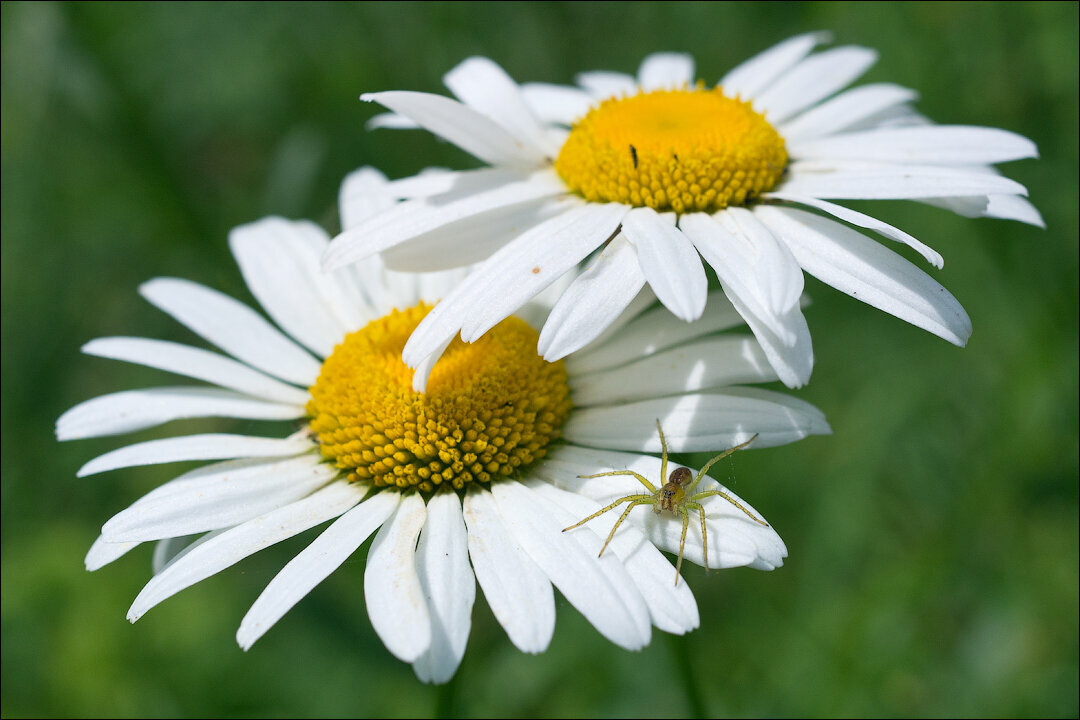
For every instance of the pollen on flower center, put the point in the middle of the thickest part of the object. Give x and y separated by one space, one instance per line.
683 150
491 406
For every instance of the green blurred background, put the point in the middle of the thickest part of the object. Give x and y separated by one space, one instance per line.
933 538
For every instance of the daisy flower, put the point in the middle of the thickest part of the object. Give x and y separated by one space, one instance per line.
662 172
472 481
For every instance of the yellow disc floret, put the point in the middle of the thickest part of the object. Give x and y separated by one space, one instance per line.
491 406
684 150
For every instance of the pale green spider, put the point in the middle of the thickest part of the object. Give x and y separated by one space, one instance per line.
673 496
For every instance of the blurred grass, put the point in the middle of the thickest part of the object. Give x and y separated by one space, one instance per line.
933 538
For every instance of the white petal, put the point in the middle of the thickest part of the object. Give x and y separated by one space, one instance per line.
218 496
102 553
435 180
390 121
843 111
858 218
442 563
518 592
364 193
1012 207
233 327
536 310
314 564
604 84
197 447
666 71
726 360
1004 207
932 145
470 130
196 363
758 280
132 410
641 302
869 181
556 103
752 76
734 539
669 261
536 259
235 544
792 359
472 196
671 607
697 423
485 87
754 268
471 239
862 268
599 587
425 366
813 79
777 276
392 591
651 332
513 275
168 549
593 301
280 264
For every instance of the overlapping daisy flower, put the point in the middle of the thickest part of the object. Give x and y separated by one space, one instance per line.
472 481
662 171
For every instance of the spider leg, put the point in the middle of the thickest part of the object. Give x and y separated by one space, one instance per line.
733 501
631 506
682 542
704 535
620 501
721 456
641 478
663 448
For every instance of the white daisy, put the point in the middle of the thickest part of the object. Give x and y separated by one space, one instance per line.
661 170
477 478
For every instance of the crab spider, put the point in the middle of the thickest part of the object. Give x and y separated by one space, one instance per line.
676 496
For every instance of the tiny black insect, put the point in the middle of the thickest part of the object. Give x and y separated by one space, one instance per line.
633 154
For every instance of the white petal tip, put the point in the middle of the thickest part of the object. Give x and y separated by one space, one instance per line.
246 638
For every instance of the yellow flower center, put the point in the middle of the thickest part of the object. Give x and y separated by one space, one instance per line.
683 150
491 406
